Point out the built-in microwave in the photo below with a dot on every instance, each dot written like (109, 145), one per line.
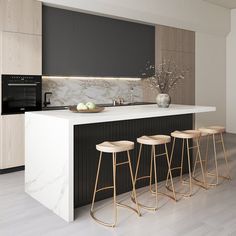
(21, 93)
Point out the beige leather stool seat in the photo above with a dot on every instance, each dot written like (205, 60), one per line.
(154, 139)
(186, 134)
(220, 129)
(115, 146)
(208, 131)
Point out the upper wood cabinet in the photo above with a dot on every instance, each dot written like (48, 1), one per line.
(22, 16)
(1, 15)
(177, 45)
(21, 54)
(0, 54)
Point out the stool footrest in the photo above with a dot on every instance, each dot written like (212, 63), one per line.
(175, 168)
(122, 163)
(104, 188)
(144, 177)
(112, 224)
(199, 161)
(181, 193)
(220, 176)
(149, 208)
(100, 221)
(161, 154)
(218, 141)
(197, 182)
(165, 194)
(129, 207)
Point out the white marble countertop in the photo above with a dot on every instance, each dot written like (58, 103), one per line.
(49, 149)
(123, 113)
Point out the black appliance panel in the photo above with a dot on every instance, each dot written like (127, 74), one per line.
(21, 93)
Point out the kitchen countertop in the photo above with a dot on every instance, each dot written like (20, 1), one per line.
(49, 148)
(123, 113)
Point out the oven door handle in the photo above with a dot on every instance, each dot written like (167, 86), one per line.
(21, 85)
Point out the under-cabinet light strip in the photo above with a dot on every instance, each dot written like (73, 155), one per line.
(90, 78)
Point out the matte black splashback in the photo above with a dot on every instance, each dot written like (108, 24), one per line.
(80, 44)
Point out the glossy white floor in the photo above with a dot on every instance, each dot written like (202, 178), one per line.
(211, 212)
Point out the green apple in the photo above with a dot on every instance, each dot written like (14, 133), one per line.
(90, 105)
(82, 106)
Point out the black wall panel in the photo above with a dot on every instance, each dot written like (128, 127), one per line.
(81, 44)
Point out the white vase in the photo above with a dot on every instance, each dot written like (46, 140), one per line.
(163, 100)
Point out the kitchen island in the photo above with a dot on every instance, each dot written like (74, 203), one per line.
(60, 155)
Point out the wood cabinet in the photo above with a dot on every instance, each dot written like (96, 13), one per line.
(21, 53)
(20, 37)
(12, 140)
(177, 45)
(22, 16)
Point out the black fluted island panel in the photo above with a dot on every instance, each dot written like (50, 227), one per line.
(86, 156)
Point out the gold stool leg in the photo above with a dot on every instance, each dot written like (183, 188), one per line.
(137, 167)
(143, 177)
(94, 196)
(151, 165)
(171, 179)
(96, 183)
(216, 175)
(189, 169)
(225, 157)
(201, 165)
(133, 184)
(207, 151)
(114, 190)
(216, 164)
(171, 157)
(196, 160)
(155, 174)
(182, 161)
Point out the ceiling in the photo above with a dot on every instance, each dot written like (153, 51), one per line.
(230, 4)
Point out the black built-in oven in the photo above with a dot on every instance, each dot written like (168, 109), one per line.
(21, 93)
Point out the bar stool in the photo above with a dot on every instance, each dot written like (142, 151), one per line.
(214, 131)
(114, 148)
(186, 136)
(153, 141)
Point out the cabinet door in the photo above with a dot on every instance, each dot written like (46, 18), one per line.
(12, 141)
(21, 53)
(22, 16)
(1, 15)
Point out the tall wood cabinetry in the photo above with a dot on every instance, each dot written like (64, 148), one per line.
(20, 53)
(179, 46)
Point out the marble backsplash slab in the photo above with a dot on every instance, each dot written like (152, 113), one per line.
(72, 90)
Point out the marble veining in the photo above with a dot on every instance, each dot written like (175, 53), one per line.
(70, 91)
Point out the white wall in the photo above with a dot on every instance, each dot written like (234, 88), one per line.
(231, 76)
(211, 78)
(211, 23)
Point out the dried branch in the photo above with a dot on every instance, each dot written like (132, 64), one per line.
(166, 76)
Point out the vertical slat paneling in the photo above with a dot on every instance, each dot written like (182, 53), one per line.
(86, 156)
